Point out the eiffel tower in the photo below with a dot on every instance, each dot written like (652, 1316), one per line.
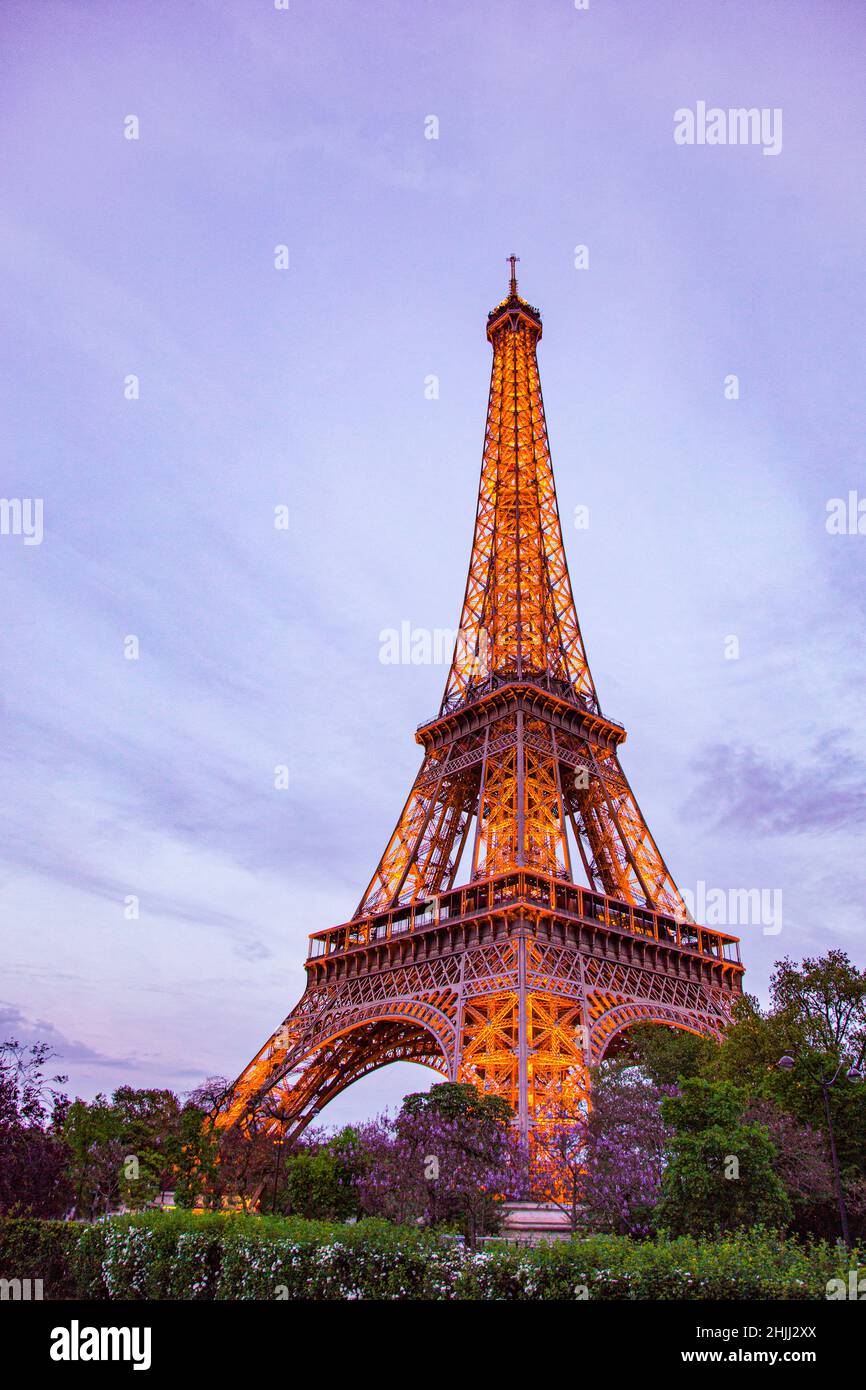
(519, 978)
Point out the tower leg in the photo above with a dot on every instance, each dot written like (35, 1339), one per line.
(522, 1040)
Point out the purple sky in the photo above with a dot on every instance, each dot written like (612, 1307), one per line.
(305, 387)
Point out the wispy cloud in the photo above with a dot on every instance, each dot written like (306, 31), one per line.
(14, 1023)
(741, 788)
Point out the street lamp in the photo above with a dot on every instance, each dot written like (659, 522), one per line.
(853, 1073)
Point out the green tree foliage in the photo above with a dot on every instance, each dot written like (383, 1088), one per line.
(720, 1174)
(33, 1157)
(133, 1148)
(92, 1133)
(195, 1156)
(665, 1053)
(456, 1101)
(817, 1016)
(318, 1186)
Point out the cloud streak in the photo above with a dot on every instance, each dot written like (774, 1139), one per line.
(739, 787)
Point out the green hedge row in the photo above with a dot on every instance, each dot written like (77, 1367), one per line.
(177, 1255)
(47, 1250)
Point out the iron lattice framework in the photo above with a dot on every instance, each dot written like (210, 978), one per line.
(520, 979)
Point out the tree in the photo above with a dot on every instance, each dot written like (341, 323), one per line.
(448, 1157)
(817, 1016)
(317, 1185)
(802, 1165)
(391, 1182)
(208, 1093)
(603, 1165)
(195, 1156)
(319, 1178)
(751, 1048)
(826, 995)
(246, 1167)
(93, 1136)
(33, 1157)
(149, 1122)
(556, 1157)
(665, 1053)
(132, 1149)
(720, 1167)
(625, 1151)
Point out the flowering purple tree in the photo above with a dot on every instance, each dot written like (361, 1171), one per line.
(391, 1183)
(605, 1166)
(449, 1156)
(626, 1153)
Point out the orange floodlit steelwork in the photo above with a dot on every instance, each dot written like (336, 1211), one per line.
(521, 978)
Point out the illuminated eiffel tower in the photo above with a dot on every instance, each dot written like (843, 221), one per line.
(520, 978)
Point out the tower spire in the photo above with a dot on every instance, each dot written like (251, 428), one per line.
(518, 619)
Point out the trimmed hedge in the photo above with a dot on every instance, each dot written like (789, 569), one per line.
(31, 1248)
(178, 1255)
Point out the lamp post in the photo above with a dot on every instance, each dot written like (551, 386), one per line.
(853, 1074)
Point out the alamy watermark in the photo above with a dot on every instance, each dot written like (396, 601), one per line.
(17, 1290)
(425, 646)
(22, 516)
(854, 1289)
(713, 125)
(77, 1343)
(846, 516)
(735, 907)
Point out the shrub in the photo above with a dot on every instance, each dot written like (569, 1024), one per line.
(178, 1255)
(317, 1186)
(159, 1255)
(31, 1248)
(720, 1173)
